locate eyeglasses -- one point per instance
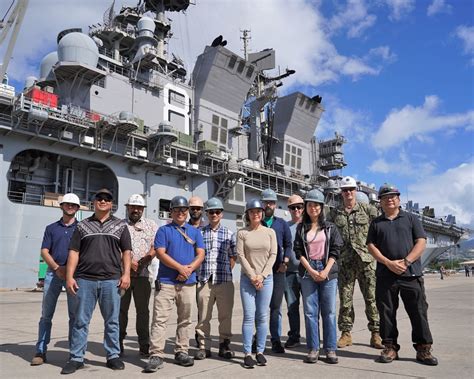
(194, 209)
(269, 202)
(180, 209)
(103, 198)
(215, 212)
(348, 189)
(69, 204)
(295, 207)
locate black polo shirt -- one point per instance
(100, 246)
(395, 239)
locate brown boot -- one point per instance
(389, 354)
(423, 355)
(376, 341)
(345, 340)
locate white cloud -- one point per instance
(354, 17)
(403, 165)
(400, 8)
(450, 192)
(438, 6)
(402, 124)
(466, 34)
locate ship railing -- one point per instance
(125, 28)
(110, 54)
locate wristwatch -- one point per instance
(407, 262)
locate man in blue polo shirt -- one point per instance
(54, 251)
(180, 249)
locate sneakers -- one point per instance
(154, 364)
(261, 360)
(389, 354)
(423, 355)
(183, 359)
(312, 357)
(345, 340)
(376, 341)
(249, 362)
(202, 354)
(71, 367)
(224, 350)
(38, 359)
(331, 357)
(115, 364)
(145, 350)
(292, 342)
(277, 347)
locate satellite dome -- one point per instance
(362, 197)
(47, 64)
(78, 47)
(146, 24)
(30, 81)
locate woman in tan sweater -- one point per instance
(256, 249)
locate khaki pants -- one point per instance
(207, 295)
(183, 295)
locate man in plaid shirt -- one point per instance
(215, 282)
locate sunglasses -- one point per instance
(180, 209)
(195, 208)
(295, 207)
(348, 189)
(103, 198)
(215, 211)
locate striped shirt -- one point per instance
(100, 246)
(219, 246)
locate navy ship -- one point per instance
(111, 108)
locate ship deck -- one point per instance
(451, 309)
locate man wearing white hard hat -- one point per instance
(142, 232)
(355, 263)
(54, 251)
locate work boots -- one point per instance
(376, 341)
(345, 340)
(389, 354)
(423, 355)
(224, 350)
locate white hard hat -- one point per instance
(70, 198)
(348, 182)
(136, 199)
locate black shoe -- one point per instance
(277, 347)
(115, 364)
(71, 367)
(225, 351)
(183, 359)
(202, 354)
(249, 362)
(292, 342)
(145, 350)
(154, 364)
(254, 345)
(261, 360)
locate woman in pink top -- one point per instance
(317, 244)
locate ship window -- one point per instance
(287, 159)
(293, 156)
(219, 130)
(240, 67)
(176, 99)
(287, 147)
(298, 163)
(301, 101)
(163, 212)
(176, 120)
(232, 61)
(249, 72)
(293, 149)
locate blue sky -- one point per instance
(396, 77)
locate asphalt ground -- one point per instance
(451, 316)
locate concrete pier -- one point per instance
(451, 316)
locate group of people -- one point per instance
(105, 259)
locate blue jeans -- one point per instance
(292, 296)
(107, 294)
(319, 297)
(255, 305)
(53, 286)
(279, 280)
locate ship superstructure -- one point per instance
(111, 108)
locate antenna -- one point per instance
(246, 38)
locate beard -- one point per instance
(269, 212)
